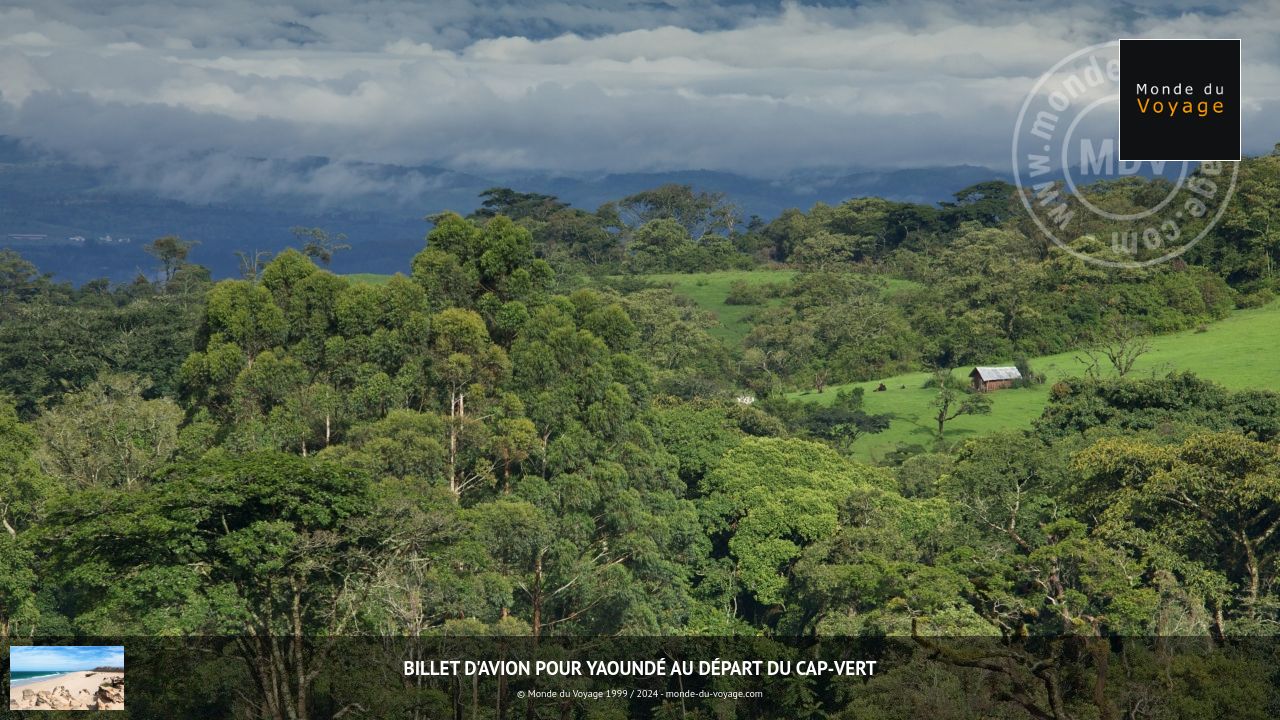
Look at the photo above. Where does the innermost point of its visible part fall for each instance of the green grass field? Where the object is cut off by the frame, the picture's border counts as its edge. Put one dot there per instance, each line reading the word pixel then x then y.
pixel 709 290
pixel 369 278
pixel 1238 352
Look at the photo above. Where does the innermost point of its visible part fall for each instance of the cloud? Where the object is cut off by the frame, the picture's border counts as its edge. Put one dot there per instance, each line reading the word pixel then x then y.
pixel 752 87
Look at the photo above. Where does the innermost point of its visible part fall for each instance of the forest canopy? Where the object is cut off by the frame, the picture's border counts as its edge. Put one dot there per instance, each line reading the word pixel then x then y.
pixel 527 434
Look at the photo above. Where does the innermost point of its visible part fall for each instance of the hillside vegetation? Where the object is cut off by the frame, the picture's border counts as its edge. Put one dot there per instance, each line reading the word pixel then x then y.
pixel 710 290
pixel 1238 352
pixel 621 423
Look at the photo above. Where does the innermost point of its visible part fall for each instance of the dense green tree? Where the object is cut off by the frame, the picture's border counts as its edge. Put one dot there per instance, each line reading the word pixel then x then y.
pixel 655 244
pixel 19 279
pixel 171 251
pixel 468 266
pixel 18 586
pixel 831 328
pixel 109 435
pixel 878 572
pixel 986 202
pixel 767 499
pixel 697 212
pixel 23 488
pixel 517 205
pixel 53 343
pixel 24 492
pixel 573 235
pixel 318 244
pixel 1245 244
pixel 264 547
pixel 1208 508
pixel 466 365
pixel 244 313
pixel 1182 399
pixel 786 232
pixel 844 421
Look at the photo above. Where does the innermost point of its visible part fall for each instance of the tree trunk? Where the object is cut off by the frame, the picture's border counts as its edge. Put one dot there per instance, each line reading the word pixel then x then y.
pixel 1100 648
pixel 456 683
pixel 536 599
pixel 300 665
pixel 1251 567
pixel 457 412
pixel 1219 633
pixel 502 696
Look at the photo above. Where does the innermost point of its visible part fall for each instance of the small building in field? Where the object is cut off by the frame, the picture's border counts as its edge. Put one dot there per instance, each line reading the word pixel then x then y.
pixel 986 379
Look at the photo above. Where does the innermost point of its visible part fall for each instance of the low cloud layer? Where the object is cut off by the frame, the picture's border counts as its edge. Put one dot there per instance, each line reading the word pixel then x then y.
pixel 754 88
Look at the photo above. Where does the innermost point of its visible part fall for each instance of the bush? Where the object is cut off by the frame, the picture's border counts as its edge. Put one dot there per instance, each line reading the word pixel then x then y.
pixel 953 381
pixel 1030 378
pixel 743 293
pixel 1255 299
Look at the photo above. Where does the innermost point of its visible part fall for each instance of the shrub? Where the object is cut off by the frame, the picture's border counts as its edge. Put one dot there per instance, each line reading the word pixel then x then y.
pixel 743 293
pixel 1255 299
pixel 1030 378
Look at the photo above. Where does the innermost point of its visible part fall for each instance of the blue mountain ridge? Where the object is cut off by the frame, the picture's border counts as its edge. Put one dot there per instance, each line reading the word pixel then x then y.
pixel 380 207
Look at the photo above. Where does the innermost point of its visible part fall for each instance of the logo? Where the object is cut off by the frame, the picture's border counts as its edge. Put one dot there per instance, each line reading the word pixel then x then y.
pixel 1180 99
pixel 1086 200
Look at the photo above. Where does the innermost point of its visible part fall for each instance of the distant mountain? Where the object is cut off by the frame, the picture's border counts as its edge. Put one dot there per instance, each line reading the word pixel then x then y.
pixel 82 222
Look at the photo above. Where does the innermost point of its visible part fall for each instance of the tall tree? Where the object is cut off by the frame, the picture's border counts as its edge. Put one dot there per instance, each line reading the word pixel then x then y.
pixel 318 244
pixel 267 548
pixel 23 488
pixel 770 498
pixel 19 279
pixel 171 251
pixel 467 364
pixel 698 212
pixel 108 435
pixel 1213 501
pixel 517 205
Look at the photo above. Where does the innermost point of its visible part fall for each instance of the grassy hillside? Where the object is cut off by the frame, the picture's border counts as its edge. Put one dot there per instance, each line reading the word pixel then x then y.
pixel 370 278
pixel 1238 352
pixel 709 290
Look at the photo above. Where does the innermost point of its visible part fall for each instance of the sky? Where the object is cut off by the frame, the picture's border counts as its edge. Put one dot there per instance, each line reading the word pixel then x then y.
pixel 65 657
pixel 758 88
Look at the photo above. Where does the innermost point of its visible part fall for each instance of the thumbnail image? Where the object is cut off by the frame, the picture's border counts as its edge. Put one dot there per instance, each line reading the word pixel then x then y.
pixel 66 677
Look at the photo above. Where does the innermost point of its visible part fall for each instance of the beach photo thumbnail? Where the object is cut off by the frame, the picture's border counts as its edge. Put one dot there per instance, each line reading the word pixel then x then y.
pixel 66 677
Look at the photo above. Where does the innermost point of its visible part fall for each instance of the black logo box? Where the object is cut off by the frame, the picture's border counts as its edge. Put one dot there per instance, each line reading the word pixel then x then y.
pixel 1187 64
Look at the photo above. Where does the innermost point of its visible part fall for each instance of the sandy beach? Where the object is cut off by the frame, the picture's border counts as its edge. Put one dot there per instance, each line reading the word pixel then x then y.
pixel 80 690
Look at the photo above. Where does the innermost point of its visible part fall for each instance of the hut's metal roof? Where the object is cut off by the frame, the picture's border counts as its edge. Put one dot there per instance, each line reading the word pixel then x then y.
pixel 996 373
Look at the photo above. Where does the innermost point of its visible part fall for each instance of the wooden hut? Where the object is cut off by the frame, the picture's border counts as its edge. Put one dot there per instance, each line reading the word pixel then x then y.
pixel 986 379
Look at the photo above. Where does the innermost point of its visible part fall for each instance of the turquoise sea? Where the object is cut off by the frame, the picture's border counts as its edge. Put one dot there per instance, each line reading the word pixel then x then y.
pixel 22 677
